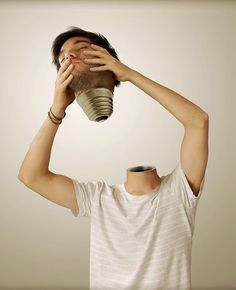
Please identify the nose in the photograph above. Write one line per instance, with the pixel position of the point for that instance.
(70, 55)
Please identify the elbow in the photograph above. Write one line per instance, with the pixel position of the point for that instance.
(20, 176)
(200, 122)
(30, 180)
(23, 178)
(203, 120)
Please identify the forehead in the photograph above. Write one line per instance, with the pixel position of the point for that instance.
(74, 40)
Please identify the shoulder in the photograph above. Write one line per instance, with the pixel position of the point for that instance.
(175, 176)
(102, 187)
(178, 184)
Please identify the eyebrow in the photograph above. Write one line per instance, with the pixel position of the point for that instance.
(76, 42)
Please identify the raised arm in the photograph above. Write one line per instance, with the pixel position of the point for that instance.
(194, 149)
(34, 171)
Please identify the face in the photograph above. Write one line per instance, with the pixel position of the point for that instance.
(83, 79)
(73, 49)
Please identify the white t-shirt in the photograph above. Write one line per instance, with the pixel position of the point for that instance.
(139, 242)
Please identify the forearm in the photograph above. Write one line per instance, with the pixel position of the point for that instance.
(36, 162)
(37, 159)
(182, 109)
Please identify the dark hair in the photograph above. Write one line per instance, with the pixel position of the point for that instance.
(73, 31)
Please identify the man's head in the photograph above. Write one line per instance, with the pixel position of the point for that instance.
(70, 44)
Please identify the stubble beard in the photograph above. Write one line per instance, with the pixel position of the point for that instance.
(81, 82)
(87, 79)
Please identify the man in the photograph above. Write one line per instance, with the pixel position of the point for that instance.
(141, 230)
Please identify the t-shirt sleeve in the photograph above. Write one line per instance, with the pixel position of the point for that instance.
(180, 186)
(85, 193)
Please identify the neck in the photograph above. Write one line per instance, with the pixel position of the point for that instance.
(141, 180)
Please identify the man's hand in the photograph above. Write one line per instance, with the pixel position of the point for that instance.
(105, 61)
(63, 95)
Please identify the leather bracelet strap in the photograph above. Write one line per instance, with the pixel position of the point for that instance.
(56, 122)
(55, 117)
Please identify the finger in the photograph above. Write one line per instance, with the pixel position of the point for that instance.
(95, 60)
(66, 73)
(94, 53)
(99, 48)
(99, 68)
(64, 66)
(63, 85)
(68, 80)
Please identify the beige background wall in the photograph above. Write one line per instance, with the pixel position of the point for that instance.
(188, 46)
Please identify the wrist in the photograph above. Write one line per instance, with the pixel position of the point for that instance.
(56, 119)
(131, 75)
(58, 111)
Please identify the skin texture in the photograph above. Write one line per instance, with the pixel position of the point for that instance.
(92, 59)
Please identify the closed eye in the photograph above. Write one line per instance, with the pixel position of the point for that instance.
(78, 49)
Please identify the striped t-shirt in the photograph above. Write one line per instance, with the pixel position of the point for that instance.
(139, 242)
